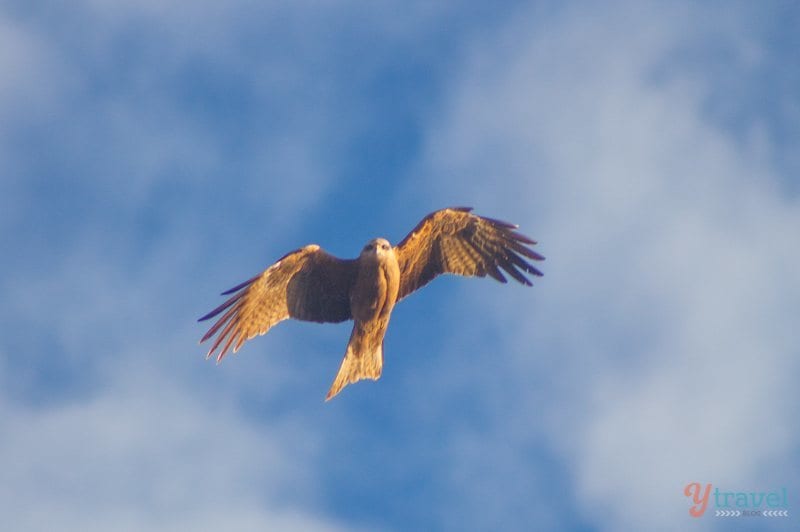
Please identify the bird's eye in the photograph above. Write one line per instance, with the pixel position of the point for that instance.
(385, 246)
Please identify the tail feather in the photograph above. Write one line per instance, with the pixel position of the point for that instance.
(357, 364)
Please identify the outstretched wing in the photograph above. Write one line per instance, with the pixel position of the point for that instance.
(455, 241)
(307, 284)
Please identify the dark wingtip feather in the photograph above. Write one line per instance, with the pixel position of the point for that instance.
(531, 270)
(219, 309)
(229, 301)
(460, 209)
(511, 268)
(522, 238)
(532, 254)
(495, 273)
(522, 249)
(210, 314)
(500, 223)
(239, 286)
(515, 264)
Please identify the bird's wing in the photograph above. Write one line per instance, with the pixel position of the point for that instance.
(307, 284)
(455, 241)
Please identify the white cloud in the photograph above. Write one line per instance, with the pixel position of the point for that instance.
(660, 332)
(144, 453)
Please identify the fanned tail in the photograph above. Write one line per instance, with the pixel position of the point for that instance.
(361, 361)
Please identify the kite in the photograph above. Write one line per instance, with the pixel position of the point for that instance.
(309, 284)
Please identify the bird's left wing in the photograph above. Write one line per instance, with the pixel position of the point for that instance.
(307, 284)
(455, 241)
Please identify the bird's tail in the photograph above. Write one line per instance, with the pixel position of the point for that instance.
(362, 360)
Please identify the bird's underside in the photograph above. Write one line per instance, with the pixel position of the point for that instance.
(309, 284)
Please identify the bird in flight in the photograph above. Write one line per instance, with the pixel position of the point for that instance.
(309, 284)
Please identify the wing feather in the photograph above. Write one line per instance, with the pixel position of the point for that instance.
(307, 284)
(456, 241)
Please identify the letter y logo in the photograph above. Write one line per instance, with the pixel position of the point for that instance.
(700, 502)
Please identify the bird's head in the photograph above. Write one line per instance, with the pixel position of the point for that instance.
(377, 247)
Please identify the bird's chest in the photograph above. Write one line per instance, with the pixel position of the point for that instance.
(374, 292)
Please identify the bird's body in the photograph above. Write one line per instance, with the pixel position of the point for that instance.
(377, 283)
(372, 299)
(311, 285)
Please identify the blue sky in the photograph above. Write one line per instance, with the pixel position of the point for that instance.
(153, 154)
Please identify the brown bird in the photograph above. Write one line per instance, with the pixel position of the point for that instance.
(311, 285)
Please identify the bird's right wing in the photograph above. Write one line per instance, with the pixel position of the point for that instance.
(455, 241)
(307, 284)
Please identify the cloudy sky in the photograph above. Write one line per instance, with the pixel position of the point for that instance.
(154, 153)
